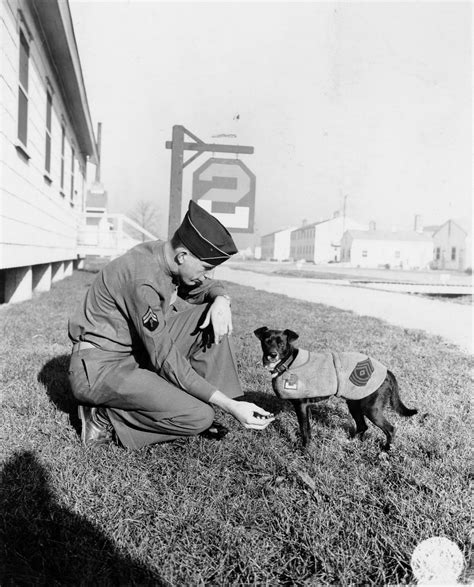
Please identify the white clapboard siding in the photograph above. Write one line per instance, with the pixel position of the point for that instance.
(38, 223)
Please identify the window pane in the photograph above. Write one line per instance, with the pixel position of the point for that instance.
(22, 116)
(24, 53)
(49, 102)
(47, 161)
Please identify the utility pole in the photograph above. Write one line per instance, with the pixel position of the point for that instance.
(178, 146)
(344, 215)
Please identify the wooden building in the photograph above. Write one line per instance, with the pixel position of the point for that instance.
(319, 242)
(47, 139)
(276, 245)
(453, 246)
(390, 249)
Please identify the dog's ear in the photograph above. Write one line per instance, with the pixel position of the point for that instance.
(260, 332)
(291, 335)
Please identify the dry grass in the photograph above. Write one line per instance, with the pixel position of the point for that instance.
(252, 509)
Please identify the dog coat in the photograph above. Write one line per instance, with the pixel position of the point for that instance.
(348, 375)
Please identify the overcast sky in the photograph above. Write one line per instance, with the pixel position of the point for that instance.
(369, 100)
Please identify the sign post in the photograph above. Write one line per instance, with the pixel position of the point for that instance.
(178, 146)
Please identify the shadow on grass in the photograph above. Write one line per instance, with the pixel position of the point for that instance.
(42, 543)
(54, 376)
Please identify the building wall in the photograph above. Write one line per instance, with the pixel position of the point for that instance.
(302, 243)
(328, 237)
(320, 243)
(282, 245)
(267, 244)
(38, 217)
(378, 253)
(452, 248)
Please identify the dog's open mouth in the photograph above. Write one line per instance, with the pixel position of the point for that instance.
(270, 362)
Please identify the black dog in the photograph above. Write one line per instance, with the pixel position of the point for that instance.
(305, 378)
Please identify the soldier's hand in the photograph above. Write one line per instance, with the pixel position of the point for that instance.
(251, 416)
(219, 316)
(248, 414)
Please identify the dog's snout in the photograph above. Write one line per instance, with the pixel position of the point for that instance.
(273, 354)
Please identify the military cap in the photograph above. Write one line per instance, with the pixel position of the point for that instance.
(205, 236)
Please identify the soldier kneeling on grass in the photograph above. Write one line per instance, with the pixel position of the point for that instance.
(144, 371)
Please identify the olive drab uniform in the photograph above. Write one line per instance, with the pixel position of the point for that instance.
(141, 358)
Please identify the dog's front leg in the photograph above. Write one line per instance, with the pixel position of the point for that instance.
(301, 408)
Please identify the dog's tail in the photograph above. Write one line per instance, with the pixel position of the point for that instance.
(395, 399)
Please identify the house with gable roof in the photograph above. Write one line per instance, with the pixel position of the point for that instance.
(453, 245)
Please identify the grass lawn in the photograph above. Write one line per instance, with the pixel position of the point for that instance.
(252, 509)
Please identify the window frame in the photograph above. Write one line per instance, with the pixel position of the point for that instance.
(73, 157)
(63, 155)
(23, 87)
(48, 132)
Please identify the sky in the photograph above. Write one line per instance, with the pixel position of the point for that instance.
(367, 102)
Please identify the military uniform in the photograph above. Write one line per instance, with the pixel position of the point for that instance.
(141, 358)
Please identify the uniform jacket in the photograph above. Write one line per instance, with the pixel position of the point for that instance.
(348, 375)
(126, 309)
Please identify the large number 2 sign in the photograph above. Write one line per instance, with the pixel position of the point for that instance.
(226, 188)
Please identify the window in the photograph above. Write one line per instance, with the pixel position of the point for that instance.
(63, 146)
(438, 253)
(397, 254)
(23, 90)
(453, 253)
(49, 108)
(364, 253)
(72, 176)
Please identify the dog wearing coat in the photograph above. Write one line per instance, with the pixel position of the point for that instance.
(305, 377)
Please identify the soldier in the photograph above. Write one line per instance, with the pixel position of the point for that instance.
(144, 371)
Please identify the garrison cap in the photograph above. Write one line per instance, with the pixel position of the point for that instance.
(205, 236)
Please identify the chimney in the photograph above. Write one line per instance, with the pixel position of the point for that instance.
(336, 214)
(304, 222)
(418, 223)
(372, 225)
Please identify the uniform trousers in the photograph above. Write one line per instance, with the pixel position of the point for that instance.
(143, 407)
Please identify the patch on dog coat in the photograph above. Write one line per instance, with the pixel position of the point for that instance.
(347, 375)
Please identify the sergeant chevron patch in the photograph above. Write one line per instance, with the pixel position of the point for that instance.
(150, 320)
(361, 373)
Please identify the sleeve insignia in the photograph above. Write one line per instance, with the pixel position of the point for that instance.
(150, 320)
(362, 373)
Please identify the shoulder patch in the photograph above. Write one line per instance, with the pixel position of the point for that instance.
(290, 381)
(362, 373)
(150, 319)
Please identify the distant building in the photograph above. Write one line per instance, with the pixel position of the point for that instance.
(46, 140)
(319, 242)
(380, 248)
(276, 245)
(453, 246)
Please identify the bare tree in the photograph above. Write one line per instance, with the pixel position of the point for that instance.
(146, 214)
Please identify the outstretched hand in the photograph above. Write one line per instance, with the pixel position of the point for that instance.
(220, 317)
(248, 414)
(251, 416)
